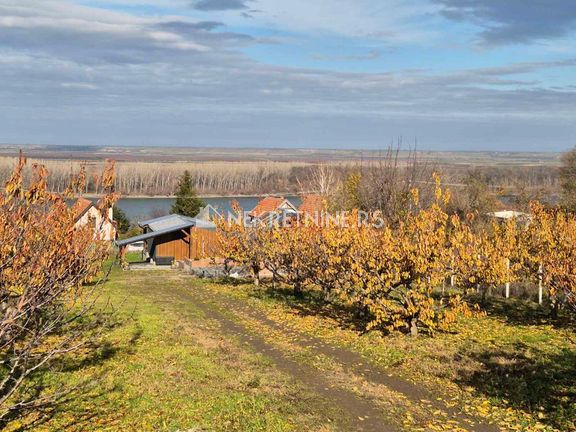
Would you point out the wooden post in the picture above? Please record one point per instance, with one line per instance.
(122, 257)
(540, 284)
(508, 277)
(122, 254)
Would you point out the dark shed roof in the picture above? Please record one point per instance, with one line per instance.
(153, 234)
(165, 225)
(174, 221)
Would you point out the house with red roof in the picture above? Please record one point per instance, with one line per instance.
(272, 208)
(86, 212)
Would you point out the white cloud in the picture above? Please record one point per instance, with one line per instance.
(63, 19)
(284, 91)
(79, 85)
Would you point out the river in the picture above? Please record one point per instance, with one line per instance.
(144, 208)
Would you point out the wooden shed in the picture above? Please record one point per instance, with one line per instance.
(175, 237)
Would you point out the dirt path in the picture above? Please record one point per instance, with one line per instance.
(363, 416)
(352, 362)
(359, 413)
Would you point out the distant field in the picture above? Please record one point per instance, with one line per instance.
(201, 154)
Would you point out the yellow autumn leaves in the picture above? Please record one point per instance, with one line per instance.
(392, 274)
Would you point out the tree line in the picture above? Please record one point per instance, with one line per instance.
(263, 177)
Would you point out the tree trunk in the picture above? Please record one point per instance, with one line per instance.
(227, 268)
(554, 311)
(484, 293)
(256, 274)
(298, 290)
(413, 327)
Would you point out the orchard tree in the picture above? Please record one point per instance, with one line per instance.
(241, 245)
(310, 255)
(552, 249)
(49, 274)
(398, 268)
(187, 202)
(329, 256)
(490, 257)
(287, 255)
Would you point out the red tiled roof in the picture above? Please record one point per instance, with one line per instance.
(268, 204)
(312, 205)
(80, 207)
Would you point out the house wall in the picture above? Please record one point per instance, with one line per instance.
(103, 229)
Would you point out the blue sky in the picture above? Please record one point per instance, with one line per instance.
(453, 74)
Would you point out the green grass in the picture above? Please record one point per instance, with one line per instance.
(513, 366)
(166, 369)
(133, 256)
(166, 366)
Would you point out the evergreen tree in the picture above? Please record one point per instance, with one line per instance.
(187, 201)
(121, 219)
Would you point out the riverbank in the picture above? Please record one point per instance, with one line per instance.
(283, 194)
(141, 208)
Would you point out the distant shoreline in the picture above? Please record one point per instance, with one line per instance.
(94, 196)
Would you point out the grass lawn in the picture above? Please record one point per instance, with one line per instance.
(511, 367)
(166, 368)
(133, 256)
(168, 365)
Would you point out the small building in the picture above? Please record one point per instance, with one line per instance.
(272, 208)
(312, 207)
(510, 214)
(86, 212)
(173, 238)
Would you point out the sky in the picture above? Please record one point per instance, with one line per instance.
(474, 75)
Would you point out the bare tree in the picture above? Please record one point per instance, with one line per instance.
(385, 184)
(321, 179)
